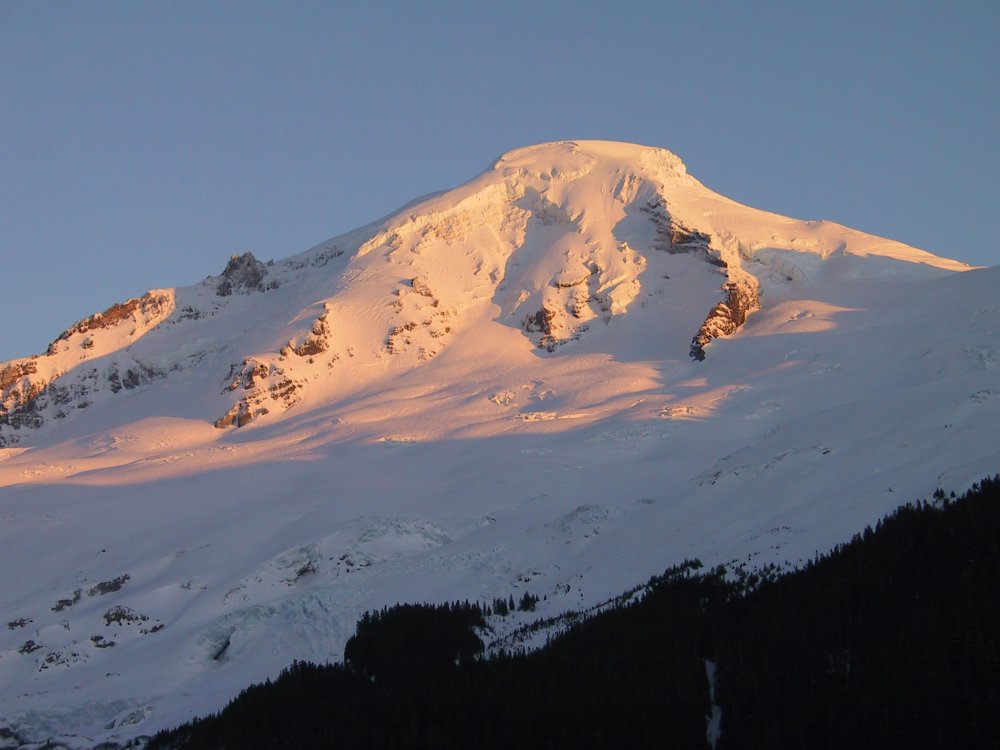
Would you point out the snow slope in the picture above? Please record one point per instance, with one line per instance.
(572, 371)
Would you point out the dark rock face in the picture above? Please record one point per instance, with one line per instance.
(28, 398)
(264, 386)
(674, 237)
(420, 286)
(237, 416)
(726, 317)
(317, 341)
(120, 615)
(13, 372)
(310, 348)
(28, 402)
(541, 322)
(19, 406)
(133, 378)
(243, 274)
(66, 603)
(107, 587)
(245, 375)
(742, 294)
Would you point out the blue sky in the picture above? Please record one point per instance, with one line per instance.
(142, 143)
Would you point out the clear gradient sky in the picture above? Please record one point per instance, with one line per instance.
(142, 143)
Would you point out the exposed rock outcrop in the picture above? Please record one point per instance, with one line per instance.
(237, 416)
(30, 401)
(16, 371)
(542, 322)
(742, 290)
(318, 339)
(243, 274)
(742, 298)
(672, 236)
(267, 386)
(19, 388)
(152, 306)
(245, 375)
(37, 388)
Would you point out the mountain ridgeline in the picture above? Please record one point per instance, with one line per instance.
(577, 369)
(562, 238)
(890, 640)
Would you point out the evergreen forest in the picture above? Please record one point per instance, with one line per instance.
(890, 640)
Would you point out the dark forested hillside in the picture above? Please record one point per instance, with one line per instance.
(890, 640)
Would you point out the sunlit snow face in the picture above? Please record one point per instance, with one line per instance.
(491, 392)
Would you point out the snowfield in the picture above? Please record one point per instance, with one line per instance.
(490, 392)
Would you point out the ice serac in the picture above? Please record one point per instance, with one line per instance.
(558, 378)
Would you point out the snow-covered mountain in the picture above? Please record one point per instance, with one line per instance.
(559, 378)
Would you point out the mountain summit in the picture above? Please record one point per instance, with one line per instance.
(570, 372)
(554, 243)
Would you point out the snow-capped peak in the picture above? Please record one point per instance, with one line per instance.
(575, 369)
(552, 241)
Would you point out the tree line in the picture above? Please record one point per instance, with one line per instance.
(889, 640)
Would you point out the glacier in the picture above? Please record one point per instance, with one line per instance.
(559, 378)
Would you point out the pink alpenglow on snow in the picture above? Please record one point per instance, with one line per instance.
(559, 378)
